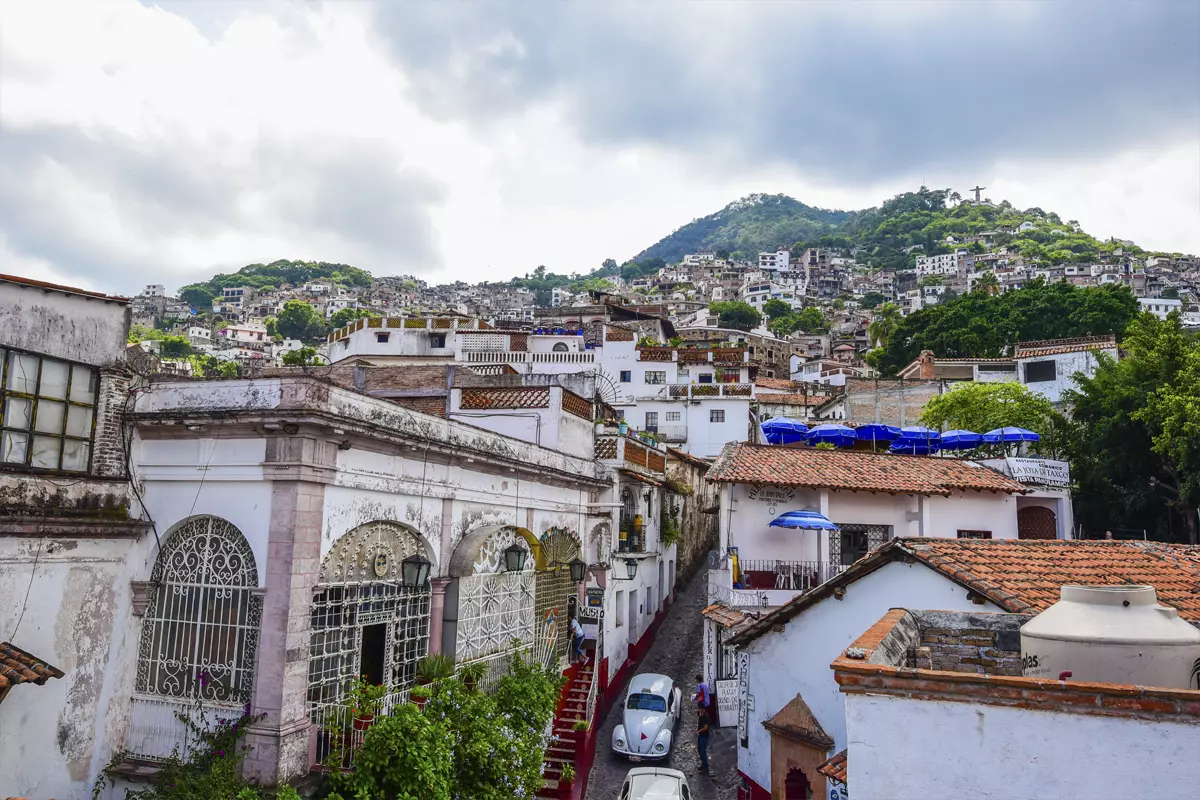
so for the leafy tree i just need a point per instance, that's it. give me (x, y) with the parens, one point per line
(175, 347)
(140, 333)
(775, 308)
(198, 296)
(406, 755)
(736, 314)
(872, 299)
(1133, 442)
(782, 326)
(987, 284)
(810, 320)
(887, 319)
(982, 407)
(343, 317)
(298, 320)
(212, 367)
(1170, 293)
(304, 357)
(722, 253)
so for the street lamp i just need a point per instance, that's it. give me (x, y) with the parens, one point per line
(631, 568)
(414, 573)
(578, 568)
(514, 557)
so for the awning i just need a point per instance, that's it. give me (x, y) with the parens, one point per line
(835, 768)
(18, 666)
(639, 477)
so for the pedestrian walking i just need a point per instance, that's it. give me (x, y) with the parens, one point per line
(577, 637)
(702, 738)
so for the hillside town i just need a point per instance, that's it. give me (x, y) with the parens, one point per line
(311, 515)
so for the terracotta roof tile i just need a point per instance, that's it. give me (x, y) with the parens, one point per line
(796, 720)
(18, 666)
(856, 471)
(724, 616)
(835, 767)
(1050, 347)
(1025, 575)
(775, 383)
(794, 399)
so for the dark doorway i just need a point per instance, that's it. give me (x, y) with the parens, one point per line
(796, 786)
(1037, 522)
(372, 653)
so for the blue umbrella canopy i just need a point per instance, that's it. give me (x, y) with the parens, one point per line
(918, 432)
(960, 440)
(877, 432)
(1010, 434)
(808, 520)
(840, 435)
(781, 430)
(914, 447)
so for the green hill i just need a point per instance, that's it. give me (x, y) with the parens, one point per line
(744, 227)
(271, 276)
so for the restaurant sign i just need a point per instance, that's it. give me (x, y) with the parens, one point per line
(1039, 471)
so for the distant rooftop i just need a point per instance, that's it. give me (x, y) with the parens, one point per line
(55, 287)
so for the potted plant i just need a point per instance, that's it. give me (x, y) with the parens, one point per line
(364, 699)
(568, 774)
(419, 695)
(472, 674)
(435, 667)
(623, 427)
(600, 427)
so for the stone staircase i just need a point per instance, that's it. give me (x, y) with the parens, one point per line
(568, 745)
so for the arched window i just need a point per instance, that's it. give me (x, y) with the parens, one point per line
(560, 347)
(200, 632)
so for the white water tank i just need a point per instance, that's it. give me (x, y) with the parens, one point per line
(1111, 634)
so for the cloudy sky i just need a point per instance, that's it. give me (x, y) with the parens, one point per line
(160, 142)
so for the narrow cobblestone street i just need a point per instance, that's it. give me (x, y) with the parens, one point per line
(676, 652)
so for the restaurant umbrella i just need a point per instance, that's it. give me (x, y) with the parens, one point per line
(914, 447)
(1002, 436)
(960, 440)
(782, 430)
(840, 435)
(808, 520)
(877, 432)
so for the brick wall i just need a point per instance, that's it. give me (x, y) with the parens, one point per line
(108, 452)
(895, 401)
(977, 650)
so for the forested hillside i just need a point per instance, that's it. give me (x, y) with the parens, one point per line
(263, 276)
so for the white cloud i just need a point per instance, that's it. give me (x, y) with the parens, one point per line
(141, 146)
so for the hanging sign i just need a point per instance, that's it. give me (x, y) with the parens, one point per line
(727, 703)
(1040, 471)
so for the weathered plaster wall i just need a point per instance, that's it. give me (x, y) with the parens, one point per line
(72, 327)
(989, 751)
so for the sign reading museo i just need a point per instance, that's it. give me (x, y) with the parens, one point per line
(1040, 471)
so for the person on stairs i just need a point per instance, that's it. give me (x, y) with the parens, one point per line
(577, 637)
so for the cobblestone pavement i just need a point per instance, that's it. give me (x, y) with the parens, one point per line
(677, 652)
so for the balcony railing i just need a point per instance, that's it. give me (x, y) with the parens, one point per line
(800, 576)
(698, 390)
(523, 357)
(155, 728)
(669, 433)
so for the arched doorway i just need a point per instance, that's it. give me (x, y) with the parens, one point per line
(796, 786)
(495, 607)
(1037, 522)
(364, 620)
(554, 587)
(199, 638)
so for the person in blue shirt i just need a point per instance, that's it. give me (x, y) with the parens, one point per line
(702, 694)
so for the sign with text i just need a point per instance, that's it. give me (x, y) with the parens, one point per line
(745, 703)
(771, 494)
(1039, 471)
(727, 703)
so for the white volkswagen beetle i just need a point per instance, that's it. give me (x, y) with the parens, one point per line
(655, 783)
(651, 714)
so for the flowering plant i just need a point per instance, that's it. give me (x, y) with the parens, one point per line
(364, 697)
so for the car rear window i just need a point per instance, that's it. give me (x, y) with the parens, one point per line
(646, 702)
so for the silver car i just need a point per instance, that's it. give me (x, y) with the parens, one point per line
(655, 783)
(651, 714)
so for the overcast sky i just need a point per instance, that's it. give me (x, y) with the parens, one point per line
(161, 142)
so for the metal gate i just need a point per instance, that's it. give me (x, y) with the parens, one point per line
(1036, 522)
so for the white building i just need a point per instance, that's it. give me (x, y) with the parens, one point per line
(154, 290)
(942, 264)
(895, 705)
(1160, 306)
(781, 661)
(240, 333)
(776, 261)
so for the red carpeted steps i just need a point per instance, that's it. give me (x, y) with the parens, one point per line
(567, 744)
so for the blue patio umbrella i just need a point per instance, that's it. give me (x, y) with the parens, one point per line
(915, 447)
(877, 432)
(840, 435)
(781, 430)
(960, 440)
(808, 520)
(919, 432)
(1010, 434)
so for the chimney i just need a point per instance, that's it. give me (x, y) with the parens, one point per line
(927, 366)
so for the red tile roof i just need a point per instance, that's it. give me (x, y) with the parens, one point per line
(1050, 347)
(1025, 576)
(724, 616)
(1022, 576)
(60, 288)
(18, 666)
(775, 383)
(795, 399)
(835, 767)
(855, 471)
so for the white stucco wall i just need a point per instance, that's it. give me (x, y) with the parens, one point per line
(69, 326)
(1066, 365)
(782, 665)
(1012, 754)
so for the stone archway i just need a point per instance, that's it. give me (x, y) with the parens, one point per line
(494, 607)
(554, 587)
(364, 621)
(1037, 522)
(796, 786)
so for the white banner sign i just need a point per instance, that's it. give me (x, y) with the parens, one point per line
(727, 703)
(1040, 471)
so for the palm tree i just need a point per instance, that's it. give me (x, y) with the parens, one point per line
(987, 283)
(887, 319)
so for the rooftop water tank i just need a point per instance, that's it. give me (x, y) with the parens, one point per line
(1112, 634)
